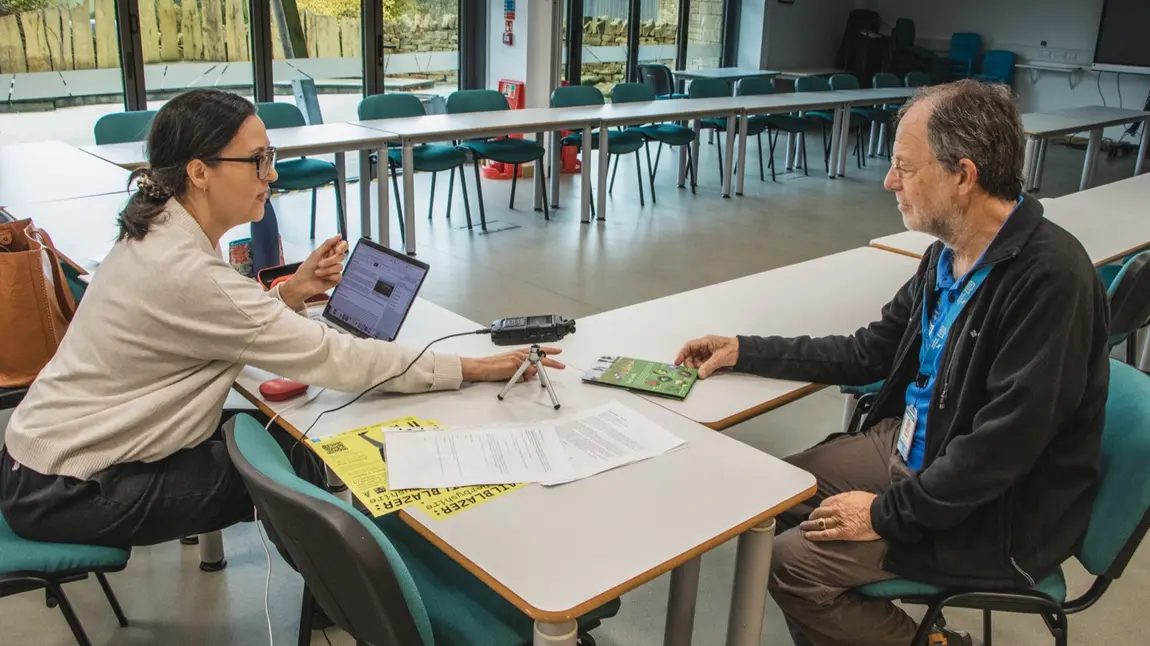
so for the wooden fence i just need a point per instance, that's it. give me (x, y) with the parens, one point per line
(84, 36)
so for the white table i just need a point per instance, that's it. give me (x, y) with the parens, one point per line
(800, 72)
(1110, 221)
(835, 294)
(1040, 127)
(867, 97)
(473, 125)
(50, 170)
(781, 104)
(568, 555)
(723, 73)
(303, 141)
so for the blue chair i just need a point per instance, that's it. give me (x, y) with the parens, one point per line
(27, 565)
(377, 579)
(661, 80)
(671, 134)
(997, 67)
(772, 124)
(1128, 293)
(917, 79)
(123, 127)
(619, 142)
(301, 173)
(506, 150)
(1119, 520)
(426, 158)
(965, 48)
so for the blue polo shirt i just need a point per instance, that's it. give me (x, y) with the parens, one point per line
(947, 288)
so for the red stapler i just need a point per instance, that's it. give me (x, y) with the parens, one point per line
(280, 389)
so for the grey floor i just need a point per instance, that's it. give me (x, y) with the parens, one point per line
(576, 270)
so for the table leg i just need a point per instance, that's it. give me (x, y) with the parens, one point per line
(212, 552)
(749, 595)
(835, 125)
(882, 140)
(383, 196)
(1091, 159)
(364, 193)
(681, 604)
(801, 151)
(1028, 162)
(870, 151)
(564, 634)
(538, 183)
(408, 197)
(1143, 148)
(790, 158)
(682, 166)
(604, 162)
(742, 154)
(844, 141)
(585, 198)
(729, 158)
(695, 152)
(1040, 163)
(556, 167)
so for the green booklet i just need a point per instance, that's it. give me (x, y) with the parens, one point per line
(664, 379)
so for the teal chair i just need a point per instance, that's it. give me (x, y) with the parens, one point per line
(301, 173)
(619, 142)
(772, 124)
(506, 150)
(917, 79)
(712, 89)
(661, 80)
(824, 118)
(860, 117)
(123, 127)
(1128, 294)
(1119, 520)
(376, 578)
(27, 565)
(426, 158)
(671, 134)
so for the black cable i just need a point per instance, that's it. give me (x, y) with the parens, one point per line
(325, 637)
(1119, 75)
(1103, 97)
(303, 437)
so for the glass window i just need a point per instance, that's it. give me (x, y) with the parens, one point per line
(421, 48)
(59, 69)
(658, 33)
(705, 34)
(605, 27)
(320, 40)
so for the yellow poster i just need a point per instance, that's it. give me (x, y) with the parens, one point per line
(358, 457)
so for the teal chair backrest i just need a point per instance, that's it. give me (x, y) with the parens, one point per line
(917, 79)
(280, 115)
(476, 101)
(886, 79)
(571, 96)
(709, 89)
(631, 93)
(1118, 519)
(812, 84)
(754, 86)
(844, 82)
(336, 548)
(1129, 297)
(390, 106)
(122, 127)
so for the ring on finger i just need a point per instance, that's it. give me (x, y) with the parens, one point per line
(822, 524)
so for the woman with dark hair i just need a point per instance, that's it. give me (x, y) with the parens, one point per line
(116, 442)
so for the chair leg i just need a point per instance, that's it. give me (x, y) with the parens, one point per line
(340, 216)
(313, 213)
(450, 191)
(431, 199)
(398, 204)
(719, 150)
(986, 627)
(658, 155)
(614, 170)
(926, 626)
(479, 193)
(542, 170)
(826, 150)
(514, 181)
(57, 592)
(639, 176)
(694, 172)
(759, 139)
(466, 200)
(306, 610)
(112, 601)
(650, 171)
(772, 141)
(806, 171)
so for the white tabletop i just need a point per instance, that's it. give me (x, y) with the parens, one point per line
(301, 141)
(835, 294)
(798, 72)
(1059, 122)
(790, 102)
(1110, 221)
(872, 96)
(50, 170)
(1102, 115)
(619, 114)
(724, 73)
(443, 127)
(567, 553)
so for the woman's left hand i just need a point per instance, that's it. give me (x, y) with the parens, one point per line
(322, 271)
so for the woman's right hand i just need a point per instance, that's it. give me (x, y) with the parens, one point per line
(502, 367)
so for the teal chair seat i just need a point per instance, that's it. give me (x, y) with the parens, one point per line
(507, 151)
(303, 173)
(429, 158)
(22, 555)
(619, 142)
(462, 609)
(666, 133)
(1053, 586)
(755, 127)
(673, 95)
(784, 122)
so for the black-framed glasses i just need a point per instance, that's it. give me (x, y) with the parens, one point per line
(264, 162)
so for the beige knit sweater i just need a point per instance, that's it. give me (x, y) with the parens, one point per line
(162, 332)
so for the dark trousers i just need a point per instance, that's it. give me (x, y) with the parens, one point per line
(191, 492)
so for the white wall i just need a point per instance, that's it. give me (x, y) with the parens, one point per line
(804, 34)
(1069, 28)
(752, 36)
(506, 61)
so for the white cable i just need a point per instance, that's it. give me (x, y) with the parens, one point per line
(289, 409)
(268, 581)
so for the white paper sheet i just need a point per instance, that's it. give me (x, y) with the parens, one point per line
(457, 458)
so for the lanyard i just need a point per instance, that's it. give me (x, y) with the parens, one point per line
(934, 332)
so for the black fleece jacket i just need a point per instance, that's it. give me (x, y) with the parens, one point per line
(1014, 428)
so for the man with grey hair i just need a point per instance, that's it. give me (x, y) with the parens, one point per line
(978, 462)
